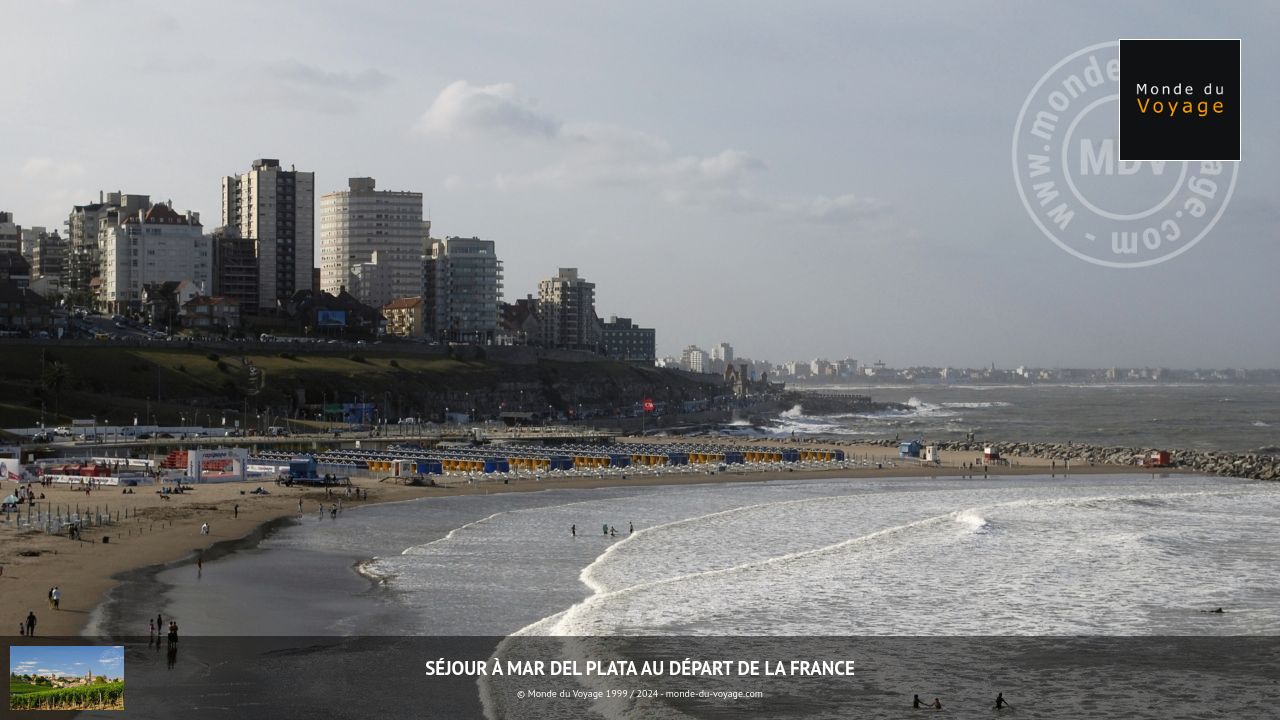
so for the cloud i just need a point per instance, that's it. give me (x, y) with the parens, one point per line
(46, 168)
(299, 73)
(592, 155)
(463, 108)
(300, 87)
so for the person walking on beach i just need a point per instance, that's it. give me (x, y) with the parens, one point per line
(236, 511)
(204, 529)
(1000, 703)
(50, 594)
(31, 624)
(299, 506)
(56, 594)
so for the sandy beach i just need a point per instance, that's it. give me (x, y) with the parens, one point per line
(156, 531)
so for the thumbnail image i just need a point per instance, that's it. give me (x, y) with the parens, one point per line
(66, 677)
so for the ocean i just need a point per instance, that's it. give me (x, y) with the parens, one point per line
(1227, 417)
(1025, 555)
(948, 572)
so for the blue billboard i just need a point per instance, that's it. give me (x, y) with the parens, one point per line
(331, 318)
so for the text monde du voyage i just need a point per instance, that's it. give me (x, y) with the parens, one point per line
(1179, 100)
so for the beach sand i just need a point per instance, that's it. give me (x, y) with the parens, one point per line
(159, 531)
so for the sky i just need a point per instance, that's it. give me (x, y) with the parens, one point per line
(819, 179)
(67, 660)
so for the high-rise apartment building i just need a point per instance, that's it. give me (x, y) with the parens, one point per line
(371, 242)
(152, 247)
(275, 208)
(10, 233)
(567, 304)
(235, 268)
(45, 251)
(462, 289)
(85, 227)
(722, 352)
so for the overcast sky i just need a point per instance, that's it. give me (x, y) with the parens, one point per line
(799, 179)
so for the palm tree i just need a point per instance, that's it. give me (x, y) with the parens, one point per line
(54, 378)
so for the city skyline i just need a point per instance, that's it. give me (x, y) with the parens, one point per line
(808, 167)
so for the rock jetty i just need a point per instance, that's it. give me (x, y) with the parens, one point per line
(1256, 466)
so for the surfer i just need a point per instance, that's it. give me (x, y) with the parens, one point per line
(573, 530)
(1215, 611)
(1000, 703)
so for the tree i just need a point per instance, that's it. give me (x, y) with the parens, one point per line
(54, 377)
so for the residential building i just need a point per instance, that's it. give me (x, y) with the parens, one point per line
(462, 289)
(694, 359)
(621, 339)
(45, 251)
(211, 314)
(85, 227)
(519, 323)
(567, 304)
(405, 317)
(235, 269)
(162, 302)
(15, 269)
(722, 352)
(364, 226)
(340, 315)
(20, 308)
(151, 247)
(275, 208)
(10, 233)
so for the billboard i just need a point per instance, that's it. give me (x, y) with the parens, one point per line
(10, 464)
(331, 318)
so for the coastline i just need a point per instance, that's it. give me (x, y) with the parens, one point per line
(165, 534)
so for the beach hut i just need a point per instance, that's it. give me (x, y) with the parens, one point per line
(931, 454)
(990, 454)
(1159, 458)
(909, 449)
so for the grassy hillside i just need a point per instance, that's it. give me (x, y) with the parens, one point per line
(116, 384)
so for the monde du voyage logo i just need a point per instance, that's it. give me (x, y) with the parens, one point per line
(1129, 169)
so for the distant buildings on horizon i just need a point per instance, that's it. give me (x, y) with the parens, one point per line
(380, 271)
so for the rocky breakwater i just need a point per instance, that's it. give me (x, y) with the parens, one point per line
(834, 403)
(1256, 466)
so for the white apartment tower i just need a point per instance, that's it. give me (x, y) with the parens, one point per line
(371, 242)
(153, 246)
(276, 209)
